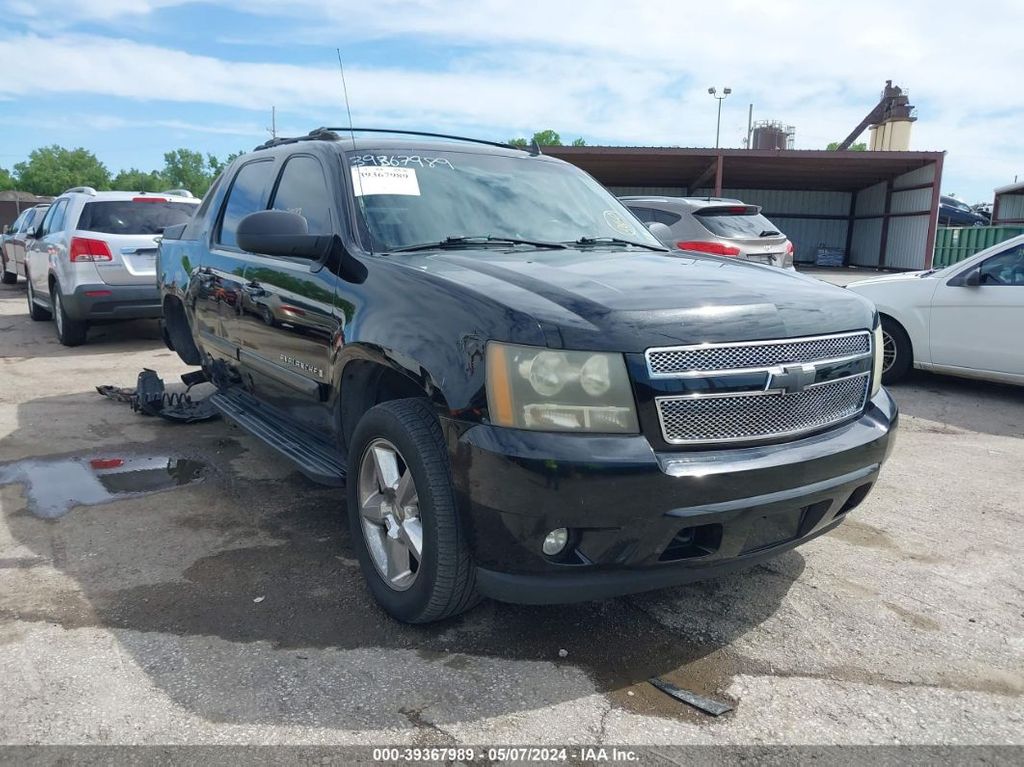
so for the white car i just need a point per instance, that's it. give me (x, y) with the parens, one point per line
(965, 320)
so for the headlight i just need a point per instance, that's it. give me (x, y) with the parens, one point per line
(548, 390)
(876, 364)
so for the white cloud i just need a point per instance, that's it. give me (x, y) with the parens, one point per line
(633, 74)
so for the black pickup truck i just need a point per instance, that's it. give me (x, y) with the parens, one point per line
(526, 395)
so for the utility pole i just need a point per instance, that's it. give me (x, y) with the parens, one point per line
(718, 125)
(750, 127)
(273, 122)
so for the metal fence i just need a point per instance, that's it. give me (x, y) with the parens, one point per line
(955, 243)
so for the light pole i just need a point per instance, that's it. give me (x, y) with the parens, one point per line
(720, 99)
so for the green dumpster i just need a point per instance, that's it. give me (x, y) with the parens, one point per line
(955, 243)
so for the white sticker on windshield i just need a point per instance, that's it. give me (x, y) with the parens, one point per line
(618, 222)
(370, 180)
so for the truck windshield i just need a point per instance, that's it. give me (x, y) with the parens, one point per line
(428, 197)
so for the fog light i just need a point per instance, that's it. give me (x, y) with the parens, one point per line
(555, 541)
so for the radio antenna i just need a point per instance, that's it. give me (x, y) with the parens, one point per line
(344, 88)
(355, 171)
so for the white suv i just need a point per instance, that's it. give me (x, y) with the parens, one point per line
(94, 257)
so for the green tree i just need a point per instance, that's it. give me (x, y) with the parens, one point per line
(187, 169)
(547, 138)
(544, 138)
(134, 180)
(6, 180)
(217, 166)
(51, 170)
(861, 147)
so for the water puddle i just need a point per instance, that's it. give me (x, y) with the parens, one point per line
(53, 486)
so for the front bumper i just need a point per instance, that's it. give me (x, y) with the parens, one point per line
(641, 519)
(113, 302)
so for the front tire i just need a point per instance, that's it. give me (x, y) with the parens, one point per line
(403, 516)
(35, 311)
(70, 332)
(8, 278)
(897, 352)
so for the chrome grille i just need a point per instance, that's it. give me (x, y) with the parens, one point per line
(693, 360)
(757, 415)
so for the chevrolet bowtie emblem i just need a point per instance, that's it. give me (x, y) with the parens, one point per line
(790, 379)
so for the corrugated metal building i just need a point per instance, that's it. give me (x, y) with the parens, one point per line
(880, 208)
(12, 203)
(1008, 207)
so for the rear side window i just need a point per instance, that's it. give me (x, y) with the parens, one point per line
(54, 220)
(22, 219)
(248, 194)
(736, 222)
(142, 216)
(653, 215)
(664, 217)
(303, 190)
(32, 219)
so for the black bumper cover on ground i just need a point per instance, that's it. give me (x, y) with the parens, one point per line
(642, 520)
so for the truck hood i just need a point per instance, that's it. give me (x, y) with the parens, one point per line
(629, 301)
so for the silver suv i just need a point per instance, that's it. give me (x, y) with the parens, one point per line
(94, 257)
(715, 225)
(15, 240)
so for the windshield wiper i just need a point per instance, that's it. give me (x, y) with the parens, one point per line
(768, 233)
(481, 240)
(592, 241)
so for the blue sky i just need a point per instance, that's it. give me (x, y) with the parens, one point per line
(131, 79)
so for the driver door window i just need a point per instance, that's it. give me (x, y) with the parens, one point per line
(1007, 268)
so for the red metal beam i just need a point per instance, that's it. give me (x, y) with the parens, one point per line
(883, 244)
(849, 228)
(933, 222)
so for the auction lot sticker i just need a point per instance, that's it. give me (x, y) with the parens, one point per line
(618, 223)
(371, 180)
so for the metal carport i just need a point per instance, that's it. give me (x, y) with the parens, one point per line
(881, 208)
(1008, 206)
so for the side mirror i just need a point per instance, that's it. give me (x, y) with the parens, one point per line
(662, 232)
(281, 233)
(972, 278)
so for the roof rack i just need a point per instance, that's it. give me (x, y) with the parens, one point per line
(82, 189)
(333, 134)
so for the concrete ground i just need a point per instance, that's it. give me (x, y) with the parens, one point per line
(227, 607)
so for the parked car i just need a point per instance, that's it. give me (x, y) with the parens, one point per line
(715, 225)
(526, 398)
(16, 240)
(964, 320)
(93, 258)
(954, 212)
(983, 209)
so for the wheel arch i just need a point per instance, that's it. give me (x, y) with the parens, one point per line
(178, 332)
(914, 346)
(369, 376)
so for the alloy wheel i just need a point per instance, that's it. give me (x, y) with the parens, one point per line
(888, 351)
(58, 312)
(390, 514)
